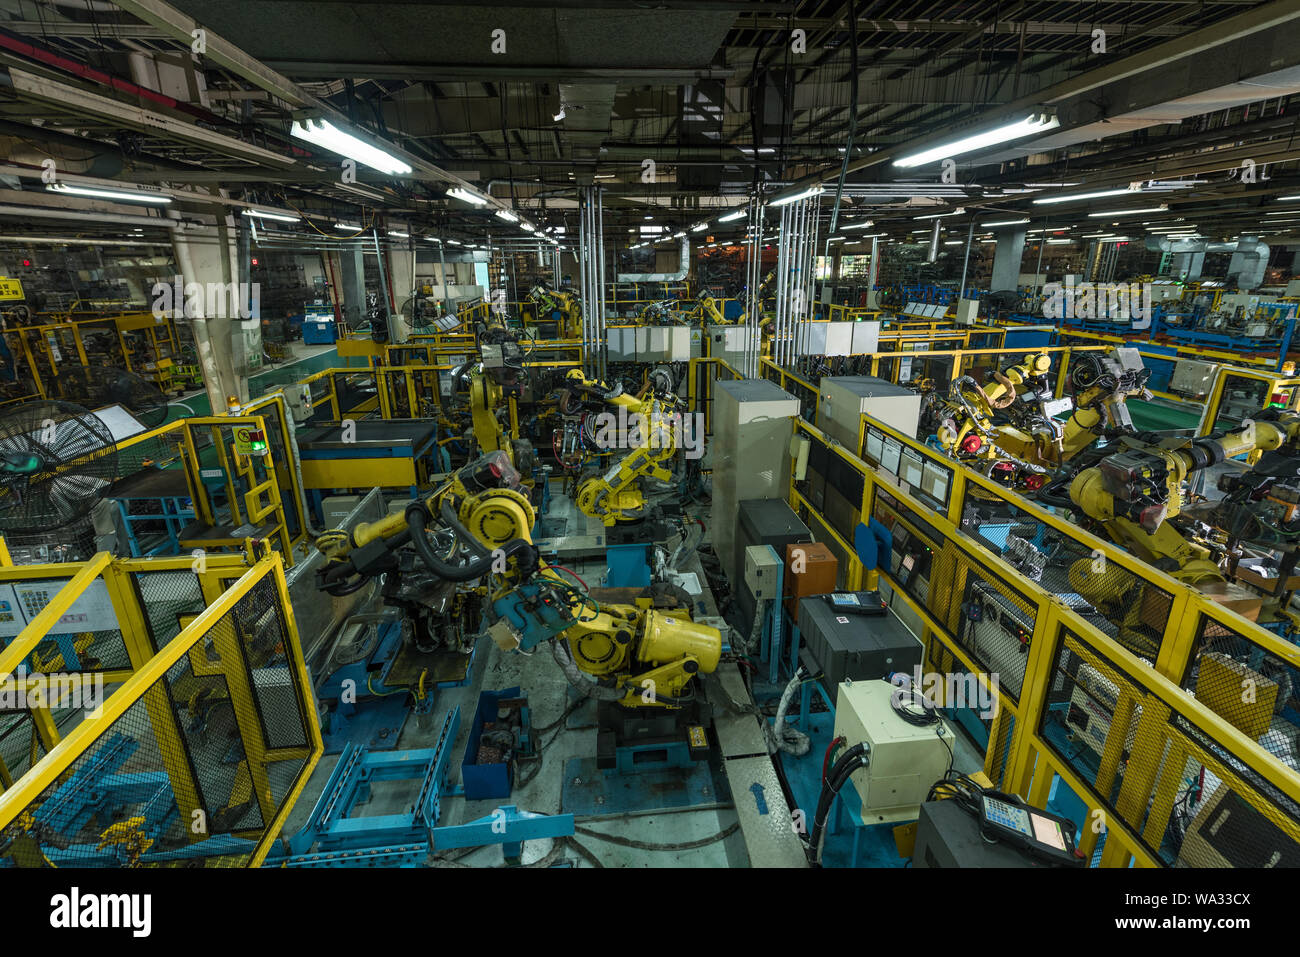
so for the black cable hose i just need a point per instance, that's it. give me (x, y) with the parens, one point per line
(851, 760)
(417, 518)
(1052, 494)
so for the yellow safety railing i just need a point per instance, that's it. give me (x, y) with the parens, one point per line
(194, 759)
(251, 483)
(100, 620)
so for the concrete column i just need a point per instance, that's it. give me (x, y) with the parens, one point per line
(204, 255)
(401, 260)
(1007, 254)
(352, 279)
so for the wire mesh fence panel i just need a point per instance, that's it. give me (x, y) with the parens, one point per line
(260, 630)
(193, 767)
(994, 624)
(1235, 818)
(1255, 690)
(399, 403)
(914, 550)
(125, 801)
(1111, 597)
(357, 393)
(169, 600)
(1091, 720)
(20, 745)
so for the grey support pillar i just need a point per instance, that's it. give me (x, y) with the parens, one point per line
(352, 277)
(1007, 254)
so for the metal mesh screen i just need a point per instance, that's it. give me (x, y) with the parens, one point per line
(355, 389)
(168, 598)
(1088, 694)
(1218, 822)
(1255, 691)
(995, 625)
(1112, 598)
(20, 746)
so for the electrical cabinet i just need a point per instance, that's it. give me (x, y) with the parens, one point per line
(762, 572)
(905, 759)
(844, 399)
(751, 456)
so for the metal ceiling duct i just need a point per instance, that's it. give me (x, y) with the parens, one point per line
(1249, 256)
(683, 267)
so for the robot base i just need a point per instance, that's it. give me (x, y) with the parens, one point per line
(630, 740)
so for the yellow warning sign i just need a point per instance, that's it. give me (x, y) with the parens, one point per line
(11, 289)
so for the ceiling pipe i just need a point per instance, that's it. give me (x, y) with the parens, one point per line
(683, 269)
(40, 212)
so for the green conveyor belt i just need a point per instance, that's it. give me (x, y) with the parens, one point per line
(1157, 416)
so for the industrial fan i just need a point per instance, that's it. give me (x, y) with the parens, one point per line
(57, 460)
(95, 387)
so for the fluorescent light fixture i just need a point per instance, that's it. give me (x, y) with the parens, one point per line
(836, 239)
(1076, 196)
(1128, 212)
(795, 197)
(281, 217)
(126, 196)
(527, 227)
(749, 150)
(508, 216)
(1058, 242)
(433, 239)
(699, 228)
(651, 230)
(347, 227)
(324, 134)
(455, 242)
(730, 217)
(559, 116)
(1004, 222)
(1036, 123)
(865, 224)
(678, 235)
(399, 234)
(465, 196)
(954, 242)
(1284, 212)
(605, 176)
(955, 212)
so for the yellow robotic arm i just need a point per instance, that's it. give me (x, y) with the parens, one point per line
(637, 657)
(616, 495)
(1100, 382)
(1135, 491)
